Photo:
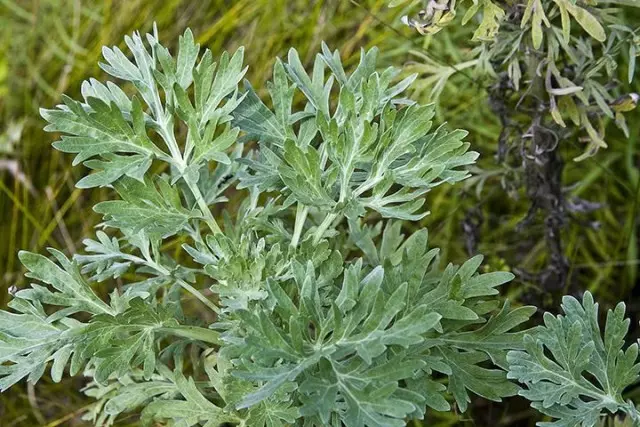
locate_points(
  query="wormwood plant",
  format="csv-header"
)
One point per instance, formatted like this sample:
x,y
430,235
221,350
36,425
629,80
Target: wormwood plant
x,y
324,311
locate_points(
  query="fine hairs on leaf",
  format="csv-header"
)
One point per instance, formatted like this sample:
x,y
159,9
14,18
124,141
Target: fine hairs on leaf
x,y
305,302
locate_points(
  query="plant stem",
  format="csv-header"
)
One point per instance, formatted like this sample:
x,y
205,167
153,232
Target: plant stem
x,y
167,135
301,216
194,332
196,293
202,204
186,286
323,227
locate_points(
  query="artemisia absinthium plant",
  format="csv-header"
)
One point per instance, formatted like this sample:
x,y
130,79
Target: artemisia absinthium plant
x,y
551,69
325,312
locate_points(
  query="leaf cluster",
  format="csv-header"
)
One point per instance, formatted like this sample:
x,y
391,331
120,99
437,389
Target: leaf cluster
x,y
562,53
324,312
572,371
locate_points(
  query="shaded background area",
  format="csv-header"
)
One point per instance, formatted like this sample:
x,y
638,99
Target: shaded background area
x,y
48,47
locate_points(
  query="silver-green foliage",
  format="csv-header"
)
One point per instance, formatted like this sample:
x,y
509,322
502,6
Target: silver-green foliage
x,y
325,312
574,374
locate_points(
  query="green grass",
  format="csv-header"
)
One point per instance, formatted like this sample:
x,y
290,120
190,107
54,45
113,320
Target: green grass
x,y
48,47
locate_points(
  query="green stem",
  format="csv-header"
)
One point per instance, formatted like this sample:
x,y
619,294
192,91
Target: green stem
x,y
186,286
202,204
368,185
194,332
196,293
167,134
301,216
323,227
179,162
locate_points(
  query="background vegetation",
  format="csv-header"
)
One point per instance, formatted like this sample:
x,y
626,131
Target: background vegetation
x,y
48,47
